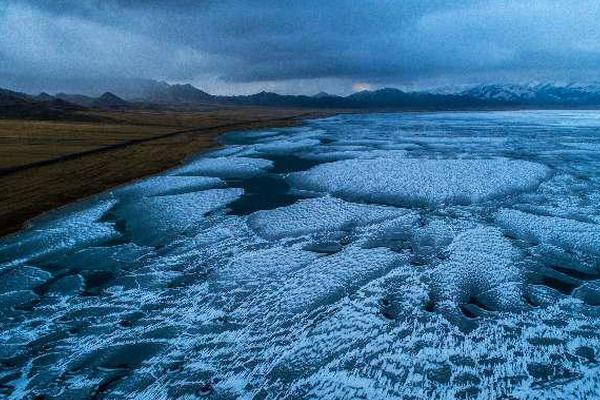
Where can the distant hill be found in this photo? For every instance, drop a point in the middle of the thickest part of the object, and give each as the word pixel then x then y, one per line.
pixel 84 101
pixel 163 93
pixel 488 96
pixel 395 98
pixel 23 106
pixel 109 100
pixel 106 100
pixel 44 97
pixel 321 95
pixel 8 97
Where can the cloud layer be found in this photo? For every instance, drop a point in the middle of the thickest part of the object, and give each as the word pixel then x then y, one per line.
pixel 296 46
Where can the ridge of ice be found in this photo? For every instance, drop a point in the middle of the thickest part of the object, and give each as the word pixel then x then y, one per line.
pixel 315 215
pixel 60 232
pixel 225 167
pixel 567 233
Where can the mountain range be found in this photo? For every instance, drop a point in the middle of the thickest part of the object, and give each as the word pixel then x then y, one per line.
pixel 539 94
pixel 488 96
pixel 20 105
pixel 480 96
pixel 106 100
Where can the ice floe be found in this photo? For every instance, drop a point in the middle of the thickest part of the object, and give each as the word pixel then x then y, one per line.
pixel 419 182
pixel 481 272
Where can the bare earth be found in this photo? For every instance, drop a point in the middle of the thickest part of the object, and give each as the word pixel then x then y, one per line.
pixel 47 164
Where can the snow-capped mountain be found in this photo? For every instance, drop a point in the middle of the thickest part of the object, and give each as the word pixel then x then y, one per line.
pixel 540 94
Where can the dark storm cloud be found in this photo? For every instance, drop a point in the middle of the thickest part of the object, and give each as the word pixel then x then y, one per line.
pixel 289 43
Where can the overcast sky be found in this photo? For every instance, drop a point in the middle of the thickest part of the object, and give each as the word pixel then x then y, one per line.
pixel 290 46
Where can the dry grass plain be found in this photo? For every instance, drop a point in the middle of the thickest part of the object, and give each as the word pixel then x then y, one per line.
pixel 47 164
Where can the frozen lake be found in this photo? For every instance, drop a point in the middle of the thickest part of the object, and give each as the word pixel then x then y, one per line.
pixel 426 255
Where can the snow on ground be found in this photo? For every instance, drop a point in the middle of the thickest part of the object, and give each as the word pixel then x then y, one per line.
pixel 417 255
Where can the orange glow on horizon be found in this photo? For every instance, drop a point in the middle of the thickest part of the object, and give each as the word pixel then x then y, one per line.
pixel 360 86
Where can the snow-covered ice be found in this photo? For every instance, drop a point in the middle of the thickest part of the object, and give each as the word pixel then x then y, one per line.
pixel 415 255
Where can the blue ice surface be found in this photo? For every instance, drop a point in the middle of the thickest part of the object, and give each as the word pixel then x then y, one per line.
pixel 409 255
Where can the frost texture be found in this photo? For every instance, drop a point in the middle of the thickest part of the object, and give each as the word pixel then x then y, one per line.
pixel 383 256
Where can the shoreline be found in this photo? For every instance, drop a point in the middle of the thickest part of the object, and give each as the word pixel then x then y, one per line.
pixel 31 191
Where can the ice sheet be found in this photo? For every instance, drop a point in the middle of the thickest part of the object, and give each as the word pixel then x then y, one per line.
pixel 415 255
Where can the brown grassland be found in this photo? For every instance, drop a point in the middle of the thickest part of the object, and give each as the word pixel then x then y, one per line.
pixel 47 164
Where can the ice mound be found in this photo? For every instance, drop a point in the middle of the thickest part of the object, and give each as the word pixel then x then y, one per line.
pixel 421 182
pixel 335 152
pixel 562 242
pixel 225 167
pixel 315 215
pixel 154 220
pixel 481 269
pixel 167 184
pixel 394 234
pixel 228 151
pixel 567 233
